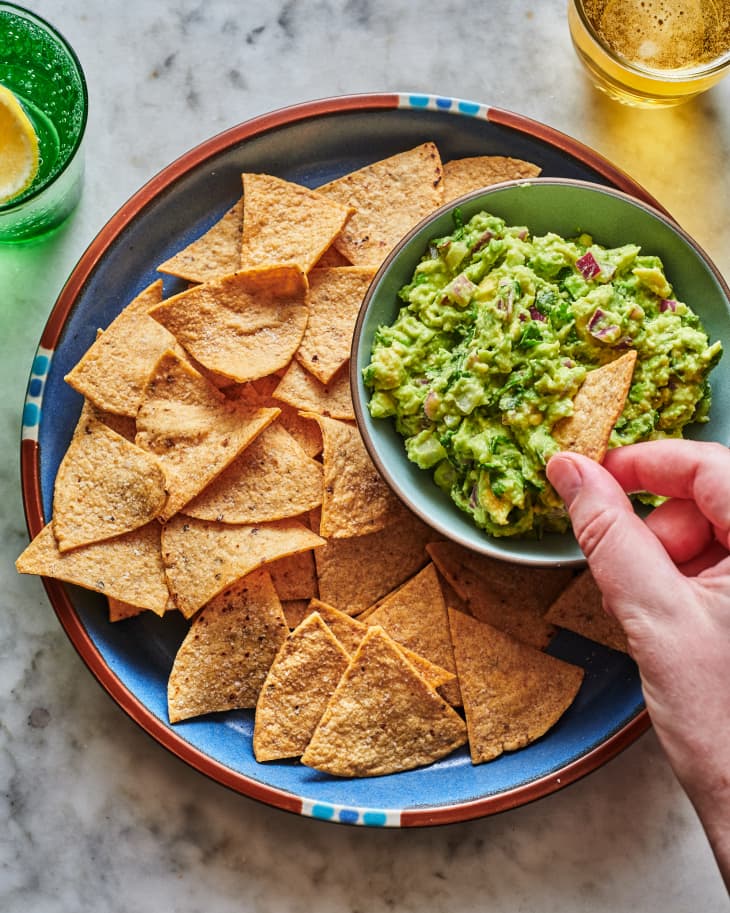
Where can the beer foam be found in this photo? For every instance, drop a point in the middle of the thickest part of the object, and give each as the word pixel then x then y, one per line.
pixel 663 34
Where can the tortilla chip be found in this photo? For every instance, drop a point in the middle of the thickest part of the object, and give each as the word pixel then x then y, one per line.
pixel 389 197
pixel 464 175
pixel 192 429
pixel 297 689
pixel 104 487
pixel 356 500
pixel 128 567
pixel 295 611
pixel 114 370
pixel 124 425
pixel 512 693
pixel 294 576
pixel 119 610
pixel 302 390
pixel 511 597
pixel 227 653
pixel 596 408
pixel 287 223
pixel 579 608
pixel 350 632
pixel 235 326
pixel 354 573
pixel 415 616
pixel 202 558
pixel 215 253
pixel 335 298
pixel 362 735
pixel 259 392
pixel 331 257
pixel 271 479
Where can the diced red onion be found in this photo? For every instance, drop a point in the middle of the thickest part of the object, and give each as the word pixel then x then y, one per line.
pixel 474 498
pixel 482 241
pixel 535 314
pixel 522 234
pixel 667 304
pixel 588 266
pixel 460 289
pixel 431 404
pixel 596 318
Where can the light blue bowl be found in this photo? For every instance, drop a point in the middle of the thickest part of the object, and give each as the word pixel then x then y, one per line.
pixel 569 208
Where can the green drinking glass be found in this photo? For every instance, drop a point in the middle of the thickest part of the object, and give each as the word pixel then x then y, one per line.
pixel 42 71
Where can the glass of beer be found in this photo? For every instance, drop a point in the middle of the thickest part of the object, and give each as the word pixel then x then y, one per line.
pixel 652 53
pixel 43 112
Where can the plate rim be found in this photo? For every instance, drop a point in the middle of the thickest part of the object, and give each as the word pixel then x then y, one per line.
pixel 58 596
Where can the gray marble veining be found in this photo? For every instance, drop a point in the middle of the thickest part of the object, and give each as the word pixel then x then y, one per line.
pixel 96 815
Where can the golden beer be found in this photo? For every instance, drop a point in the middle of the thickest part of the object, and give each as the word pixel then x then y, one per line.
pixel 652 52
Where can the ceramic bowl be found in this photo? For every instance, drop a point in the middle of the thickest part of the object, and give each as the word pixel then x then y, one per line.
pixel 569 208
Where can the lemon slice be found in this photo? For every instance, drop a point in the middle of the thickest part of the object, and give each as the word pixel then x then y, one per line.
pixel 18 148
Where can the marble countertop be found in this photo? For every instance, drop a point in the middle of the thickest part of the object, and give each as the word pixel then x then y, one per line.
pixel 98 816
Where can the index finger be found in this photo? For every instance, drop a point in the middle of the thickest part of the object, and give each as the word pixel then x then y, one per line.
pixel 694 470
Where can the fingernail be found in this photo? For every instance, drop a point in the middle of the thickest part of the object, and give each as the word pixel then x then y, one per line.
pixel 565 477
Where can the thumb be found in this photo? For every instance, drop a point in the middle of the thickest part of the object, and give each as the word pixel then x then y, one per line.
pixel 629 563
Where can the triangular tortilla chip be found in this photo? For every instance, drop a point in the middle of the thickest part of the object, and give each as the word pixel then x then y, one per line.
pixel 300 682
pixel 128 567
pixel 362 735
pixel 513 598
pixel 259 392
pixel 356 500
pixel 350 632
pixel 203 558
pixel 295 611
pixel 122 424
pixel 227 653
pixel 114 370
pixel 390 197
pixel 596 408
pixel 287 223
pixel 302 390
pixel 105 486
pixel 415 616
pixel 331 257
pixel 354 573
pixel 512 693
pixel 294 576
pixel 119 610
pixel 464 175
pixel 235 326
pixel 335 298
pixel 579 608
pixel 215 253
pixel 271 479
pixel 192 429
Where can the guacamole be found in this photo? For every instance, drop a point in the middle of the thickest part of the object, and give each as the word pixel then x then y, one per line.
pixel 497 334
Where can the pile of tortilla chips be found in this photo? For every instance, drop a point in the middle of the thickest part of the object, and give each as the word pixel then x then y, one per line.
pixel 216 470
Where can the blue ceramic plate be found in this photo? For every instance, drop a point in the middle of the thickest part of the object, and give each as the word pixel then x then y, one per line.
pixel 312 144
pixel 543 204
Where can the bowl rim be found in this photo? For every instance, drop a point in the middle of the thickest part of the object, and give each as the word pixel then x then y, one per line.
pixel 359 395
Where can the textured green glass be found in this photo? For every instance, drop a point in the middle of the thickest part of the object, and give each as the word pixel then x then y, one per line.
pixel 43 72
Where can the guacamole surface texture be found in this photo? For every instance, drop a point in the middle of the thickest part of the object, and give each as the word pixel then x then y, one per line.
pixel 496 335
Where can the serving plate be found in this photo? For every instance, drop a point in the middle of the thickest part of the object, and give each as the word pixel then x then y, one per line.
pixel 311 143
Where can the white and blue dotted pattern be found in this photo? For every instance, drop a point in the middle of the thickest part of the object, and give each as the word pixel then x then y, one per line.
pixel 343 814
pixel 34 395
pixel 441 103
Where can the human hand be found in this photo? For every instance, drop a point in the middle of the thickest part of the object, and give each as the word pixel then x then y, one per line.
pixel 667 580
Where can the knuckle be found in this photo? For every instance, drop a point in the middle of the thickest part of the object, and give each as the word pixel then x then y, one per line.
pixel 594 532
